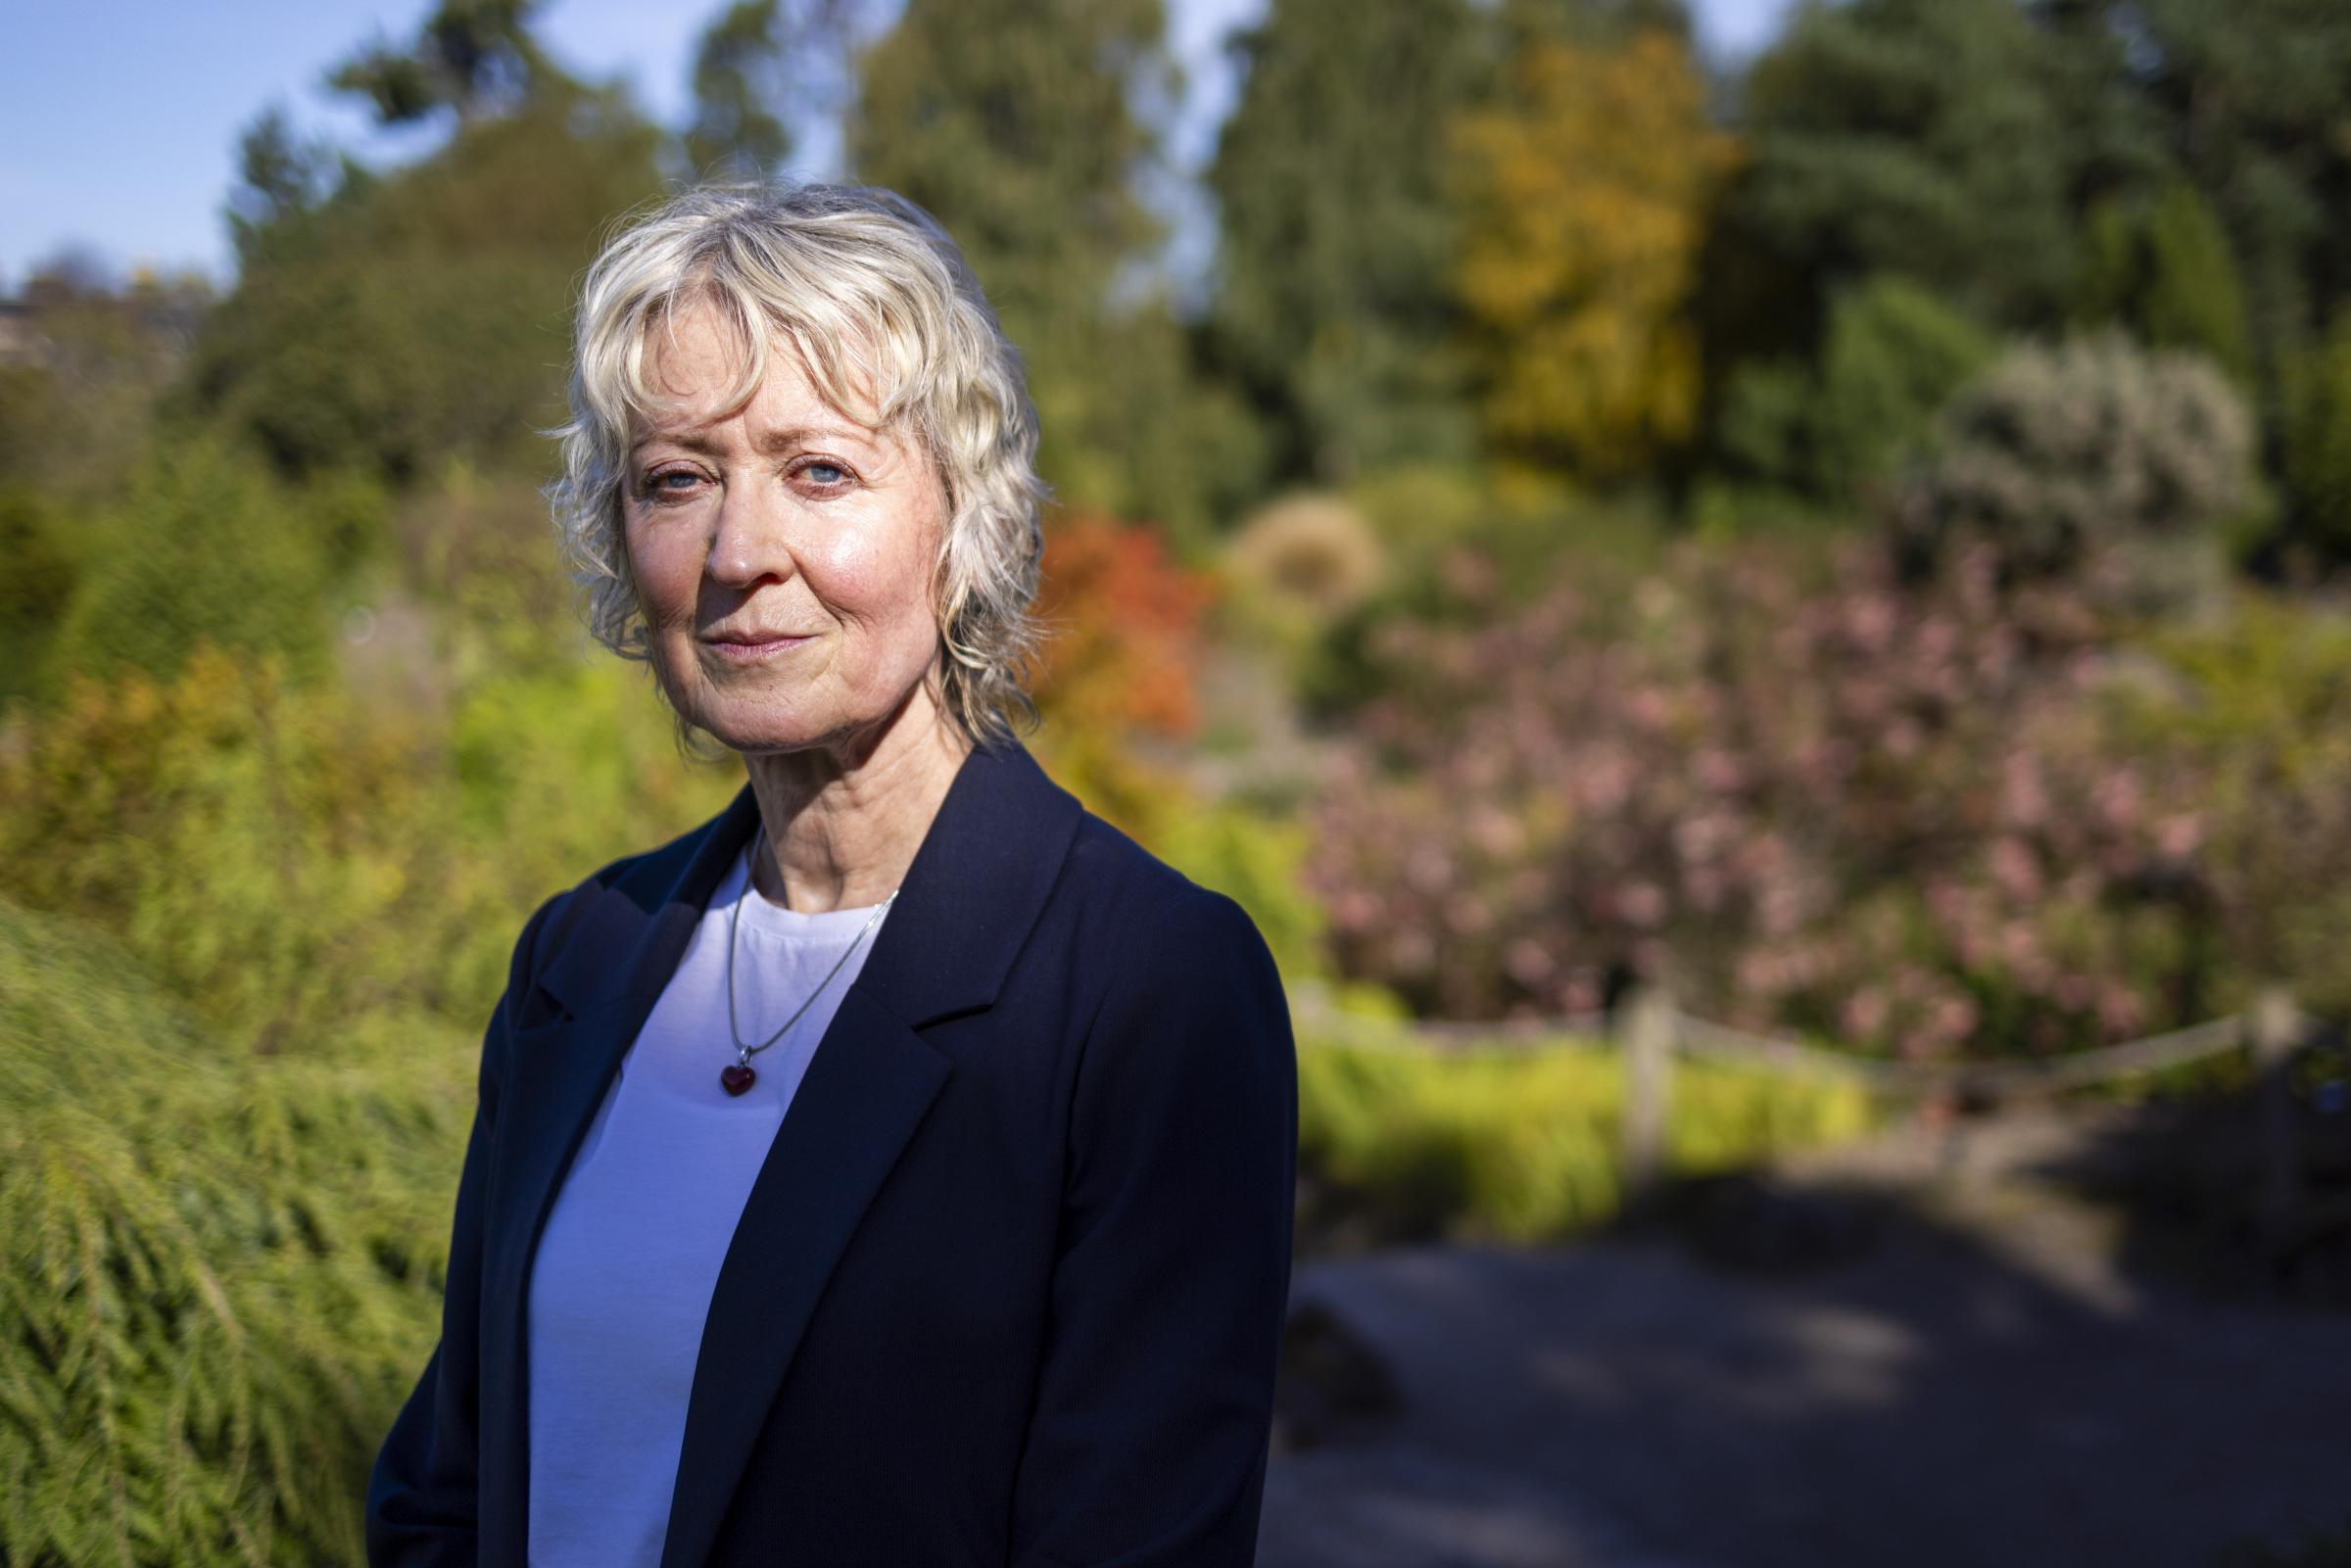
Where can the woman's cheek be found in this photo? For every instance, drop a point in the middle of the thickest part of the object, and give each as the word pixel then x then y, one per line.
pixel 668 575
pixel 866 577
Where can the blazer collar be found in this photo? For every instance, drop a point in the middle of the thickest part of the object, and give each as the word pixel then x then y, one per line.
pixel 973 893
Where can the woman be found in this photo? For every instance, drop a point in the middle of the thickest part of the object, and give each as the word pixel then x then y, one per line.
pixel 896 1169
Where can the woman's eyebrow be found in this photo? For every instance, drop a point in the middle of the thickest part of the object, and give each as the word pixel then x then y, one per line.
pixel 801 434
pixel 689 440
pixel 768 441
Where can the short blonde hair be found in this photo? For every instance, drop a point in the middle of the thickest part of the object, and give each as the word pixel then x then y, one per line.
pixel 880 305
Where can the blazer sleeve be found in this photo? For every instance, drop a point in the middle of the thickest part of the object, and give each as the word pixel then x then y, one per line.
pixel 421 1496
pixel 1147 1441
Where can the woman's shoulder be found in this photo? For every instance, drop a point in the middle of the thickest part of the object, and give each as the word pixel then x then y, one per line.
pixel 1175 985
pixel 1146 913
pixel 641 873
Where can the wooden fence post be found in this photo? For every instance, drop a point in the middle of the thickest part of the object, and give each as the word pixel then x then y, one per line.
pixel 2275 1031
pixel 1647 1033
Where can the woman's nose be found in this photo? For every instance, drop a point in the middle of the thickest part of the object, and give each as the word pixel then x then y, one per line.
pixel 753 536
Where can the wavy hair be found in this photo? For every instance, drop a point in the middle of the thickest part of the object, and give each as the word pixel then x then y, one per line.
pixel 880 305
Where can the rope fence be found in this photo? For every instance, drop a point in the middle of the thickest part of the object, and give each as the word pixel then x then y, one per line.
pixel 1709 1040
pixel 1651 1031
pixel 2199 1042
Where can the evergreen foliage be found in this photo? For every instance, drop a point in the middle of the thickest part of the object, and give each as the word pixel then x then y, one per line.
pixel 476 57
pixel 425 319
pixel 1022 127
pixel 209 546
pixel 2250 95
pixel 2163 269
pixel 1335 304
pixel 1893 356
pixel 282 177
pixel 736 133
pixel 1921 138
pixel 33 591
pixel 2318 442
pixel 221 1269
pixel 295 725
pixel 1014 125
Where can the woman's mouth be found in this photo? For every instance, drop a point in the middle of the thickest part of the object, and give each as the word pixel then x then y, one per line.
pixel 751 651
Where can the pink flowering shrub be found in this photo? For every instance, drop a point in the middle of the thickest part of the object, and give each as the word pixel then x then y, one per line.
pixel 1924 821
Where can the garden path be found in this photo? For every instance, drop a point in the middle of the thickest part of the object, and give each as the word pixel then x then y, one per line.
pixel 1978 1384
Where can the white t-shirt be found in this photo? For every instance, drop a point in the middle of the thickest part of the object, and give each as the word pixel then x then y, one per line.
pixel 633 1246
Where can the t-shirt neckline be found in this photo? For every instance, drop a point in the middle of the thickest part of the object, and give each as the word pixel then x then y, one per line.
pixel 766 918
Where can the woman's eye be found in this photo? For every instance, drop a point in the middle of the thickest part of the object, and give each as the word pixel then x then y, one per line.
pixel 672 482
pixel 824 473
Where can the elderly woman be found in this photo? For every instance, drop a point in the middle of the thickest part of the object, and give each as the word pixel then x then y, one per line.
pixel 896 1169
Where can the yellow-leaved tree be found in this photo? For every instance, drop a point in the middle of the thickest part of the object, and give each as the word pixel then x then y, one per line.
pixel 1585 196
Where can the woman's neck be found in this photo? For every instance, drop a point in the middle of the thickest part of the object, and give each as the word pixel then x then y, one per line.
pixel 844 820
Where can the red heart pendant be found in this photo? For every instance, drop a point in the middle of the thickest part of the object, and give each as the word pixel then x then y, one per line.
pixel 736 1077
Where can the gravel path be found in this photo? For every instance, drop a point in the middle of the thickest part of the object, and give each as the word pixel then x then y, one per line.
pixel 1977 1390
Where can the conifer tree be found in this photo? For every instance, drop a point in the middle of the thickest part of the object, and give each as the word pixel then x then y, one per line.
pixel 280 176
pixel 1014 124
pixel 2250 97
pixel 1334 299
pixel 1917 137
pixel 475 56
pixel 2164 269
pixel 1026 129
pixel 2317 441
pixel 420 318
pixel 763 71
pixel 735 130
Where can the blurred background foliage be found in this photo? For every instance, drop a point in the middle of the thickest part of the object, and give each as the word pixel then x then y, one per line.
pixel 1861 538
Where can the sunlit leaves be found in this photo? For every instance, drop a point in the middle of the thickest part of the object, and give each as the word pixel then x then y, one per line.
pixel 1586 198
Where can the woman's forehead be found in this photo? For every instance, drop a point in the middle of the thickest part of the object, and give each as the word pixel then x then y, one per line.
pixel 699 367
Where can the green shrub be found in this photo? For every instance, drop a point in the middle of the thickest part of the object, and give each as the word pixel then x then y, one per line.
pixel 2318 442
pixel 1519 1145
pixel 2096 458
pixel 421 316
pixel 1893 356
pixel 221 1270
pixel 289 860
pixel 34 590
pixel 208 546
pixel 2163 270
pixel 2249 725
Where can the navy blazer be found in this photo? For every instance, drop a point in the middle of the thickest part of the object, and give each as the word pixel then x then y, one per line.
pixel 1009 1288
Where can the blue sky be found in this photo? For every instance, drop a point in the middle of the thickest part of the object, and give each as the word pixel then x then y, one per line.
pixel 119 121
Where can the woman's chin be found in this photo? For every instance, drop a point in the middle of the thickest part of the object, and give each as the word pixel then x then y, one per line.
pixel 767 735
pixel 758 717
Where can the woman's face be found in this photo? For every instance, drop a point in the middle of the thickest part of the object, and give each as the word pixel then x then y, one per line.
pixel 783 552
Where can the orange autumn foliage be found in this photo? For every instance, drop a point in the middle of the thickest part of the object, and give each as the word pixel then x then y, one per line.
pixel 1123 640
pixel 1123 630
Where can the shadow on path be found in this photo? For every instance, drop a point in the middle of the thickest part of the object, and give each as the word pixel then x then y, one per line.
pixel 1922 1391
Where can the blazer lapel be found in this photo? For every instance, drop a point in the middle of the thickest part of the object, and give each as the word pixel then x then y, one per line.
pixel 864 1093
pixel 617 955
pixel 969 901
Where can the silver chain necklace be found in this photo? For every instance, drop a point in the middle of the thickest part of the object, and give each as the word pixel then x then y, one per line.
pixel 740 1075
